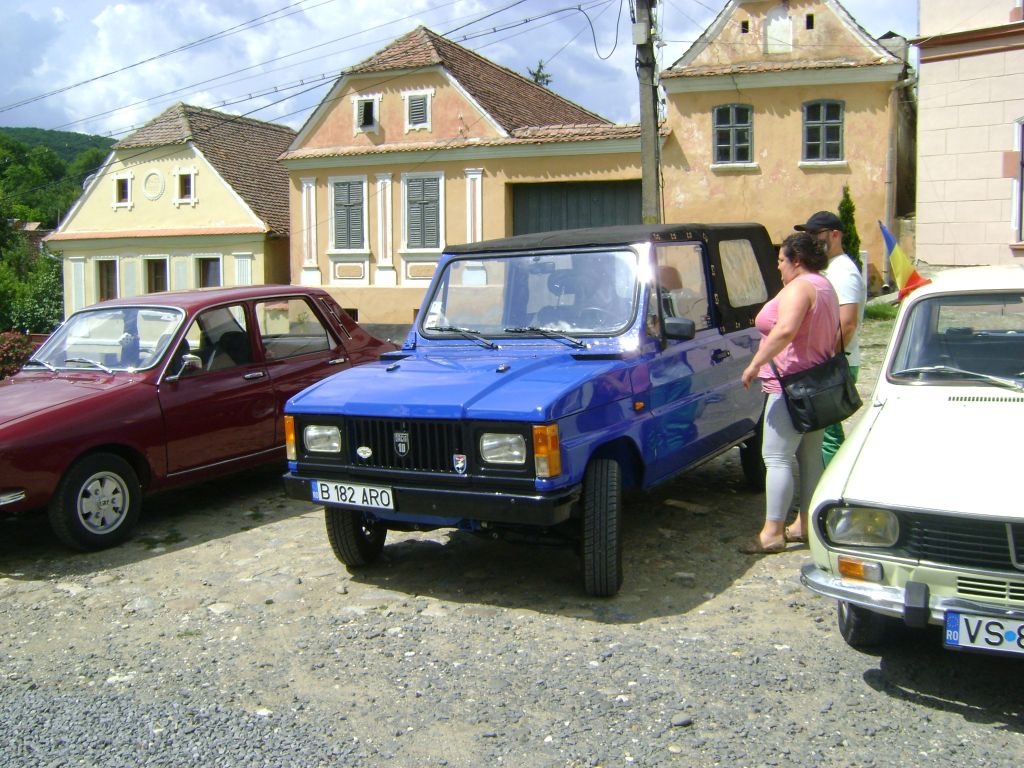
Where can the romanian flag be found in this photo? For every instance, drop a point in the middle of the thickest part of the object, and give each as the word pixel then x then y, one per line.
pixel 902 270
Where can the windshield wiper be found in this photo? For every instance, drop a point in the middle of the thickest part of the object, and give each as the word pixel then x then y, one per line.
pixel 34 361
pixel 999 381
pixel 467 333
pixel 550 333
pixel 87 361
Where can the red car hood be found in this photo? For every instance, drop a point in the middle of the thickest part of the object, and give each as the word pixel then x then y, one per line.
pixel 25 394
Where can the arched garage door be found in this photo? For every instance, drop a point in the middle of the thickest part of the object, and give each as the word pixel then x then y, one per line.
pixel 569 205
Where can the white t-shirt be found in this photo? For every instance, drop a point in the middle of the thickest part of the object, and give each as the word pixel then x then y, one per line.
pixel 850 287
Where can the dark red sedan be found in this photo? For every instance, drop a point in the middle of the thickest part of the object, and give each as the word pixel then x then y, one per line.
pixel 136 395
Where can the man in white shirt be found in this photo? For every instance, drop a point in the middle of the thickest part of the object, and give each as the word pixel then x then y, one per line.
pixel 852 290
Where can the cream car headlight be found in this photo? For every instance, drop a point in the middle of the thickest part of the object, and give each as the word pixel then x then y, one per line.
pixel 498 448
pixel 862 527
pixel 321 439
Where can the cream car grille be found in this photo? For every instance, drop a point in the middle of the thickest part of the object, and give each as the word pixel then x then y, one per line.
pixel 993 589
pixel 965 542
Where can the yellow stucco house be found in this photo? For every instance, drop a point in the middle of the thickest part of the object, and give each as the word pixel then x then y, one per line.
pixel 427 143
pixel 776 107
pixel 194 198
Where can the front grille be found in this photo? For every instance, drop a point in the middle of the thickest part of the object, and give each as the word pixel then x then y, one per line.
pixel 992 589
pixel 430 446
pixel 963 542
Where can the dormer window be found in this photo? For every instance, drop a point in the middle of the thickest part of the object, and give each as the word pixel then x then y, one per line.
pixel 366 113
pixel 417 109
pixel 185 186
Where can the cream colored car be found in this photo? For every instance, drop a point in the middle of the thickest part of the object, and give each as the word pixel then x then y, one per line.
pixel 919 516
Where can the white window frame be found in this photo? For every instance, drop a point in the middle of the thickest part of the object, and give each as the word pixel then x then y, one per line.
pixel 177 174
pixel 406 95
pixel 197 257
pixel 114 202
pixel 145 271
pixel 363 249
pixel 357 101
pixel 439 175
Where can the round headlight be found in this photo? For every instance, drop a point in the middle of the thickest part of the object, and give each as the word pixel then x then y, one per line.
pixel 321 439
pixel 498 448
pixel 862 527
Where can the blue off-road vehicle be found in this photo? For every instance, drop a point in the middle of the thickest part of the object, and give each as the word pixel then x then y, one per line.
pixel 544 375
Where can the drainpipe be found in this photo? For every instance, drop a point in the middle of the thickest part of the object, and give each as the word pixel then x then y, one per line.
pixel 891 169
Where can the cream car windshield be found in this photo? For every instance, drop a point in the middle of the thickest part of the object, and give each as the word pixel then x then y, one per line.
pixel 542 295
pixel 109 339
pixel 962 338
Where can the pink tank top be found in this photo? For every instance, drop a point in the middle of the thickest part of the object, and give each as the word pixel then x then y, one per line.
pixel 814 342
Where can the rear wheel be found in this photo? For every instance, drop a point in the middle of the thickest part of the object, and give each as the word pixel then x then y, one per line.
pixel 96 503
pixel 356 540
pixel 602 528
pixel 860 627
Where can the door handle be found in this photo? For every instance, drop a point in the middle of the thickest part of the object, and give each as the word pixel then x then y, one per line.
pixel 719 355
pixel 337 360
pixel 254 375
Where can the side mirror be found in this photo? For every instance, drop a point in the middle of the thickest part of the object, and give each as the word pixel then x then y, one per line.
pixel 681 328
pixel 189 364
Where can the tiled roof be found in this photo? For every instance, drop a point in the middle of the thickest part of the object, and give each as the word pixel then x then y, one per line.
pixel 243 151
pixel 546 134
pixel 511 99
pixel 753 67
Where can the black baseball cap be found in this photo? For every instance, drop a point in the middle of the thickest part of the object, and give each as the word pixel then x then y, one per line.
pixel 820 221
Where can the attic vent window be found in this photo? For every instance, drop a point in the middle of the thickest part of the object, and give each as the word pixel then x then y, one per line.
pixel 366 118
pixel 417 110
pixel 744 26
pixel 809 21
pixel 122 192
pixel 366 113
pixel 185 188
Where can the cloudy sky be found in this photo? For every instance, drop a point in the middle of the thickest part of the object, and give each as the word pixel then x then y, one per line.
pixel 106 68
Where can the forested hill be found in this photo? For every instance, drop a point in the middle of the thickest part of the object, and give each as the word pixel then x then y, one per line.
pixel 67 144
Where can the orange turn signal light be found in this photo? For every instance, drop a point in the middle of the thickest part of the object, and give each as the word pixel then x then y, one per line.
pixel 547 450
pixel 852 568
pixel 289 438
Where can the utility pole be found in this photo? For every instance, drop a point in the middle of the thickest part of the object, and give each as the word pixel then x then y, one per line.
pixel 650 151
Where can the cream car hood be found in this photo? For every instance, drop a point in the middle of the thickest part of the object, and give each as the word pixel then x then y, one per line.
pixel 944 448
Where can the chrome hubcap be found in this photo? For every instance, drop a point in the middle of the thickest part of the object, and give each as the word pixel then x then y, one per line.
pixel 102 502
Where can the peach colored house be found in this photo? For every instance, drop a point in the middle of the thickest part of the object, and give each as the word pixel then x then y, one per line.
pixel 776 107
pixel 193 198
pixel 427 143
pixel 970 176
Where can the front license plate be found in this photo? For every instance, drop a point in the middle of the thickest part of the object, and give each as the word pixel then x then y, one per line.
pixel 371 496
pixel 984 633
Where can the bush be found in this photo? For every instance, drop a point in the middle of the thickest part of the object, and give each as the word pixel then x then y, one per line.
pixel 15 349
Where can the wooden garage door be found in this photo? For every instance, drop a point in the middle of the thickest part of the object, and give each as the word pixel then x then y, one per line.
pixel 568 205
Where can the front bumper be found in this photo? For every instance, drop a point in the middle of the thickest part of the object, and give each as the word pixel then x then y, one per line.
pixel 448 506
pixel 914 604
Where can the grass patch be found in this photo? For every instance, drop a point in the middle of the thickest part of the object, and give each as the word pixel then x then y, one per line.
pixel 881 311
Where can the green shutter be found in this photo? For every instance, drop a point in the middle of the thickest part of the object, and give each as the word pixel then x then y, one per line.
pixel 348 215
pixel 423 220
pixel 417 110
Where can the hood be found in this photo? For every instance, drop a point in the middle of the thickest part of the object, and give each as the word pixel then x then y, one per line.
pixel 490 384
pixel 25 394
pixel 950 449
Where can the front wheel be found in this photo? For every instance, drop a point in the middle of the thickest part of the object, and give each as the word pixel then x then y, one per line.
pixel 860 627
pixel 97 502
pixel 602 528
pixel 355 539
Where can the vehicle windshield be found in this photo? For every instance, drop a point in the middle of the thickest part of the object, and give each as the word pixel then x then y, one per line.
pixel 522 295
pixel 963 338
pixel 110 339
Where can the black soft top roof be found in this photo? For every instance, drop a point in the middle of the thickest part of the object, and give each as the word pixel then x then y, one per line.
pixel 602 236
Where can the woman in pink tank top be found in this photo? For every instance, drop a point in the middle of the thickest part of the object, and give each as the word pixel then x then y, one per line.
pixel 799 328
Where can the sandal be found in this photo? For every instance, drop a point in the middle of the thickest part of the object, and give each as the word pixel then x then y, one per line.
pixel 755 547
pixel 802 539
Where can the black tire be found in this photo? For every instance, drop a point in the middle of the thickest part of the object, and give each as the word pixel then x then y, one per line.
pixel 355 540
pixel 602 528
pixel 97 502
pixel 860 627
pixel 752 461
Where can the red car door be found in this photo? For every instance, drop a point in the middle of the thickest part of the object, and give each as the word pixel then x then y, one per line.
pixel 300 346
pixel 227 410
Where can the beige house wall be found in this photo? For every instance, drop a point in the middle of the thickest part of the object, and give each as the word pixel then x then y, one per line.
pixel 969 137
pixel 778 189
pixel 386 283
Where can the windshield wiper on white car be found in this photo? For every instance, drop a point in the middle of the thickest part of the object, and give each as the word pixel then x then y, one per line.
pixel 467 333
pixel 87 361
pixel 34 361
pixel 999 381
pixel 550 333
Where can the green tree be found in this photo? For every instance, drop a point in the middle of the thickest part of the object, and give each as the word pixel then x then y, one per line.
pixel 85 164
pixel 539 75
pixel 851 240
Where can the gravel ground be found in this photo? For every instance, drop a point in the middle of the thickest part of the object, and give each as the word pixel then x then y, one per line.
pixel 226 634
